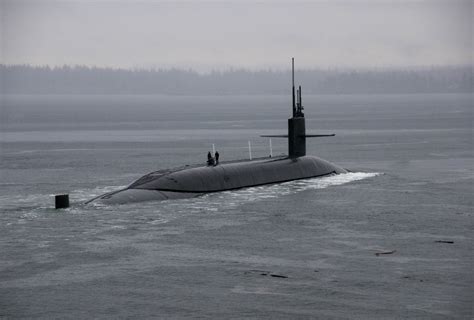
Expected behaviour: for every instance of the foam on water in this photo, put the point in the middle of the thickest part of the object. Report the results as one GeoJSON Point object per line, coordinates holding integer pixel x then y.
{"type": "Point", "coordinates": [83, 195]}
{"type": "Point", "coordinates": [231, 199]}
{"type": "Point", "coordinates": [37, 205]}
{"type": "Point", "coordinates": [47, 200]}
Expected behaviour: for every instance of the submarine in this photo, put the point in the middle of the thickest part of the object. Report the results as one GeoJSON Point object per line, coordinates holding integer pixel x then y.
{"type": "Point", "coordinates": [193, 181]}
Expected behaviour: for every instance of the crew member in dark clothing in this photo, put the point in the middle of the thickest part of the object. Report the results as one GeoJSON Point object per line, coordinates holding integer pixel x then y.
{"type": "Point", "coordinates": [216, 155]}
{"type": "Point", "coordinates": [210, 160]}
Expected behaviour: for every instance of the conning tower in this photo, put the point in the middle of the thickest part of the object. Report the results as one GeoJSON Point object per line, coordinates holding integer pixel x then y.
{"type": "Point", "coordinates": [296, 124]}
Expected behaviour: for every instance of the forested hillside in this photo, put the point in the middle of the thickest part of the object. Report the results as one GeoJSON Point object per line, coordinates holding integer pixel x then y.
{"type": "Point", "coordinates": [24, 79]}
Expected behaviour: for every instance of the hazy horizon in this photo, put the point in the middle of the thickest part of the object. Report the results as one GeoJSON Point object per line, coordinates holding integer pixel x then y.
{"type": "Point", "coordinates": [232, 68]}
{"type": "Point", "coordinates": [205, 36]}
{"type": "Point", "coordinates": [82, 79]}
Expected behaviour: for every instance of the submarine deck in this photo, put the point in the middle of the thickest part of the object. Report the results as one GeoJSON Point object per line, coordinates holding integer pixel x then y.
{"type": "Point", "coordinates": [191, 181]}
{"type": "Point", "coordinates": [161, 172]}
{"type": "Point", "coordinates": [235, 174]}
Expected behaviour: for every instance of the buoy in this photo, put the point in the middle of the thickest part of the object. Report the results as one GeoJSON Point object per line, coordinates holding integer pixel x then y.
{"type": "Point", "coordinates": [61, 201]}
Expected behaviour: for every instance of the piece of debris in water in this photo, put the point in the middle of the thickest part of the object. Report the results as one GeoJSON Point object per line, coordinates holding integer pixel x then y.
{"type": "Point", "coordinates": [385, 252]}
{"type": "Point", "coordinates": [444, 241]}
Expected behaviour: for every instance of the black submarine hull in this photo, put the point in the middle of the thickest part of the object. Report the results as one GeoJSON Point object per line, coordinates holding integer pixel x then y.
{"type": "Point", "coordinates": [192, 182]}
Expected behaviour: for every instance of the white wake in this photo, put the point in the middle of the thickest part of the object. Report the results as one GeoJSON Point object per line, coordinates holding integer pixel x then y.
{"type": "Point", "coordinates": [230, 199]}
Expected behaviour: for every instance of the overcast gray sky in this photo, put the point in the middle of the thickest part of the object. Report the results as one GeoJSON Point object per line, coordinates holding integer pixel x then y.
{"type": "Point", "coordinates": [218, 34]}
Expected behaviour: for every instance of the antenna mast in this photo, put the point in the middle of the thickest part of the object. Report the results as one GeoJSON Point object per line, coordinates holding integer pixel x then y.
{"type": "Point", "coordinates": [293, 82]}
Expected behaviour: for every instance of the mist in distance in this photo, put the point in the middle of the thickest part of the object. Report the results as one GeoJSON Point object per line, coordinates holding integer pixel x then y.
{"type": "Point", "coordinates": [235, 47]}
{"type": "Point", "coordinates": [86, 80]}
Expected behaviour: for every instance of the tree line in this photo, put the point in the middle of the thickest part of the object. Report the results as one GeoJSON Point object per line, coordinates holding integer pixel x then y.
{"type": "Point", "coordinates": [27, 79]}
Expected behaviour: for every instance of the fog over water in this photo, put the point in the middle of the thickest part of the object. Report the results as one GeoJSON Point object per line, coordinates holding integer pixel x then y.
{"type": "Point", "coordinates": [84, 80]}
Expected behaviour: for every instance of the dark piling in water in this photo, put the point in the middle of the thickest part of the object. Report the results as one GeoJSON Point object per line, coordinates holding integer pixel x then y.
{"type": "Point", "coordinates": [61, 201]}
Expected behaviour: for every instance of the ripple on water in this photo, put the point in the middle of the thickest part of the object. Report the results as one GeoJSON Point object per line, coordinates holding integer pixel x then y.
{"type": "Point", "coordinates": [38, 205]}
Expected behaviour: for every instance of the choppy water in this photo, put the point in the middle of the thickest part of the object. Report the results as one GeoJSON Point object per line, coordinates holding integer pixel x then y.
{"type": "Point", "coordinates": [302, 249]}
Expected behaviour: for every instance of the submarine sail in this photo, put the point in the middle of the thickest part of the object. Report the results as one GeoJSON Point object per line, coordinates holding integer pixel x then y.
{"type": "Point", "coordinates": [201, 179]}
{"type": "Point", "coordinates": [296, 125]}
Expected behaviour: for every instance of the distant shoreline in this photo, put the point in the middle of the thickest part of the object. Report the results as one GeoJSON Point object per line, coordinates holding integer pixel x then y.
{"type": "Point", "coordinates": [227, 95]}
{"type": "Point", "coordinates": [25, 79]}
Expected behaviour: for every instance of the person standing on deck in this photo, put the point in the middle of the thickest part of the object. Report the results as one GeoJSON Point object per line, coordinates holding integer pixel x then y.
{"type": "Point", "coordinates": [216, 156]}
{"type": "Point", "coordinates": [210, 160]}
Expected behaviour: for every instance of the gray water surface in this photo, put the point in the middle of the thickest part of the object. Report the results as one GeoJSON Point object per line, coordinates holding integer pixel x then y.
{"type": "Point", "coordinates": [299, 250]}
